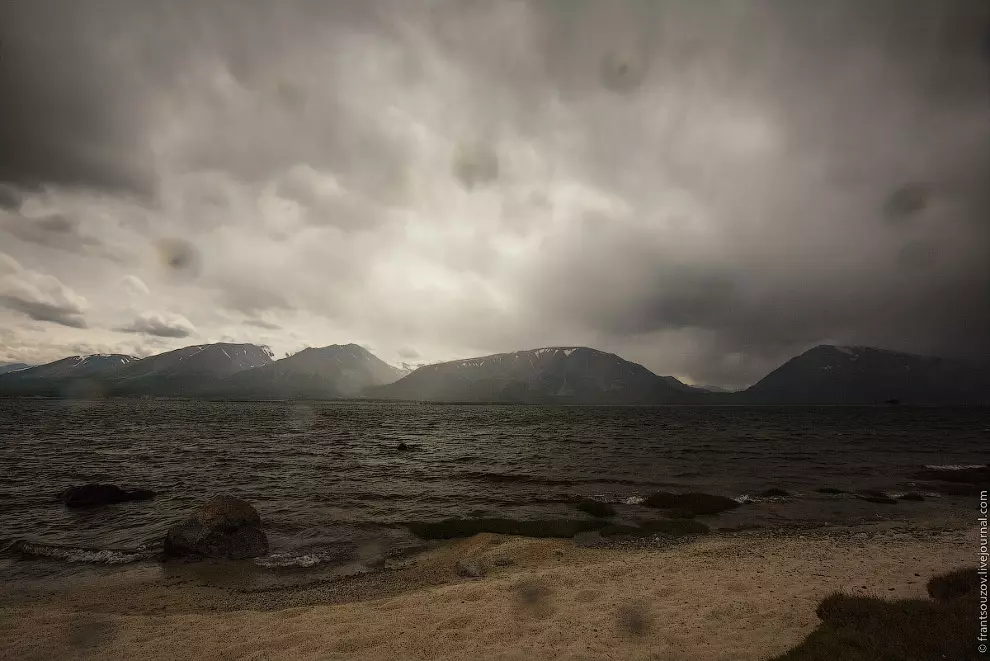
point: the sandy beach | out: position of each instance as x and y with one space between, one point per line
737 596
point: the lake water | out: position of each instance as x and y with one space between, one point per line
333 489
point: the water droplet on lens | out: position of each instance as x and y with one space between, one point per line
179 257
475 164
907 201
623 72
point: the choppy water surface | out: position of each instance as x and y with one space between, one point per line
332 487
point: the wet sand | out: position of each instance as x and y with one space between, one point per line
739 596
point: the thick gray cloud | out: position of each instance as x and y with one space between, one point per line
161 325
39 296
704 187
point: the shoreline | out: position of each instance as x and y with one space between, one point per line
738 595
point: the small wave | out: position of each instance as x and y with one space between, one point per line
77 554
633 500
953 467
289 559
744 499
537 479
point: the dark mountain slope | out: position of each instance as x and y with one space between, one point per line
830 374
336 371
549 375
63 377
186 372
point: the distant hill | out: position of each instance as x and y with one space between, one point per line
336 371
717 389
549 375
62 377
187 371
13 367
830 374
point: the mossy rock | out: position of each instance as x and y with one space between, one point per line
698 503
596 508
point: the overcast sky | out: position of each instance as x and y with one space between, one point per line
706 188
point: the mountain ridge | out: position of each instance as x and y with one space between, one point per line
857 374
336 371
824 374
563 374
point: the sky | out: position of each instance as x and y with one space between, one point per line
706 188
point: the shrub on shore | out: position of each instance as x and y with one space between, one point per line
869 628
697 503
953 585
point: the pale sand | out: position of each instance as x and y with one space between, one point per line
732 597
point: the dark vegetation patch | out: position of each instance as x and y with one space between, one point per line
869 628
953 585
698 503
912 495
774 493
596 508
454 528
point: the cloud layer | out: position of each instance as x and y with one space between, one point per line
706 188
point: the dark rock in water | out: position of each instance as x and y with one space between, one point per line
954 489
878 497
402 447
912 495
95 495
225 527
969 475
774 493
469 569
596 508
830 490
699 503
680 513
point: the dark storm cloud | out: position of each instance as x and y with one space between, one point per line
10 198
777 173
71 109
883 124
81 82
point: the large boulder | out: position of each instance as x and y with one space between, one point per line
225 527
95 495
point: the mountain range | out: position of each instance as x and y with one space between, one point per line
825 374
